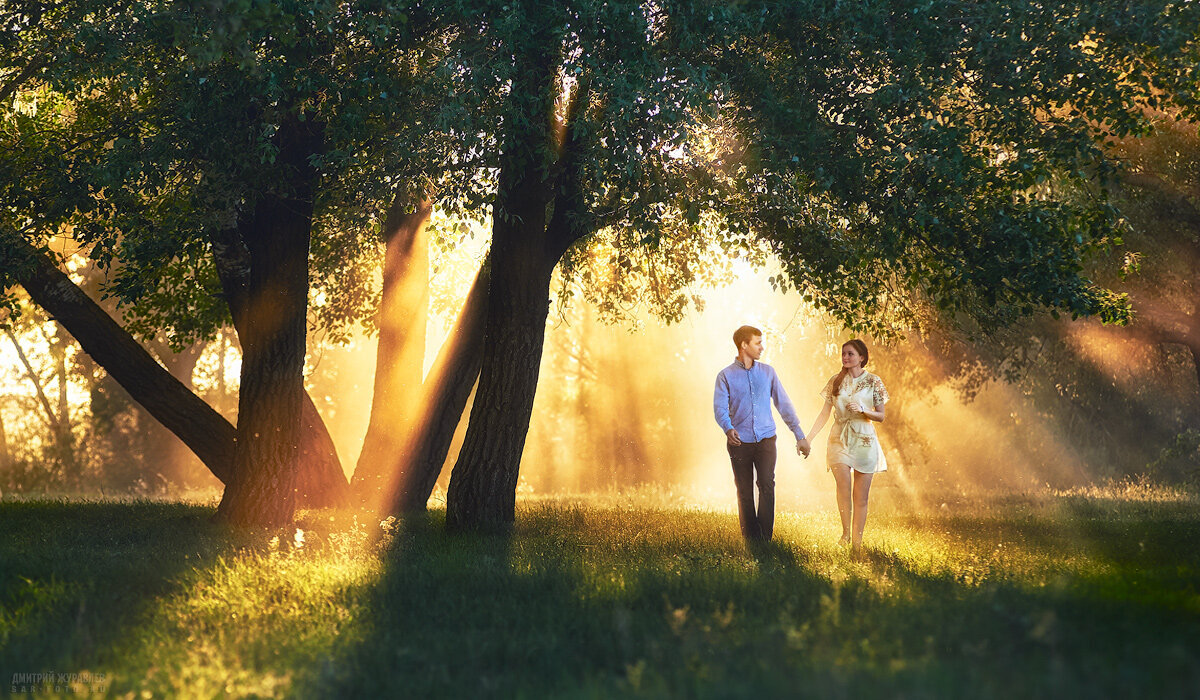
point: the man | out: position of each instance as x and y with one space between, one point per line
742 404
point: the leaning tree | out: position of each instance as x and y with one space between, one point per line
201 153
889 153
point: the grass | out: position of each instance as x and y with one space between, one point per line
1090 594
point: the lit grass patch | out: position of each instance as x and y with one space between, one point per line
259 620
1078 593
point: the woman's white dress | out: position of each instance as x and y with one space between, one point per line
852 438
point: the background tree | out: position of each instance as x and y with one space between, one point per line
1125 398
226 120
1160 189
51 395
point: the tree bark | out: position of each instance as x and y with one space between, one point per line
206 432
482 493
445 393
271 396
400 357
320 480
526 245
201 428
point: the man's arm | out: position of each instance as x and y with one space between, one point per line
721 403
721 410
784 405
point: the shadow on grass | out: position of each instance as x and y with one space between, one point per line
583 601
595 603
1000 636
558 606
76 578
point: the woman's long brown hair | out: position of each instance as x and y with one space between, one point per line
861 348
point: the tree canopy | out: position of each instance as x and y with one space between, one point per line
908 161
887 150
903 152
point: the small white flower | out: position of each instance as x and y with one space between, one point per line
298 539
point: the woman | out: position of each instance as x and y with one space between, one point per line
856 397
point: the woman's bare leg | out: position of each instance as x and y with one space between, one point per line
862 489
841 475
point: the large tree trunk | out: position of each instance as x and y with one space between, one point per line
320 480
206 432
445 396
271 397
400 357
482 491
526 246
201 428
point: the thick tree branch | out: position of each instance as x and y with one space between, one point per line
565 226
200 427
14 83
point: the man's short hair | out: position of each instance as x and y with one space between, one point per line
744 335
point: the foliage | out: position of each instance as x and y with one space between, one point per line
896 155
620 279
1118 395
1184 449
1160 198
902 155
162 134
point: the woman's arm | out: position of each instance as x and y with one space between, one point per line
877 415
821 418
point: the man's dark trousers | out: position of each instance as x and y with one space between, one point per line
748 458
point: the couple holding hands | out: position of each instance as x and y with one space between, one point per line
742 404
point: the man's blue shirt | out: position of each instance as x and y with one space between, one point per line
742 400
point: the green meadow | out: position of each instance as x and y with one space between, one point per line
1086 594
